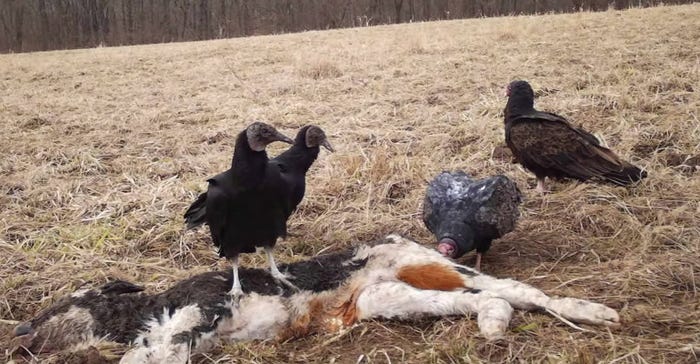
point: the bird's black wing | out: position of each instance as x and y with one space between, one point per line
221 209
196 213
498 198
294 181
444 200
558 119
280 186
293 164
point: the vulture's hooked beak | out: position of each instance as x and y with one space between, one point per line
327 145
283 138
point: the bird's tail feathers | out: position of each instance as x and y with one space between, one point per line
195 215
628 175
609 168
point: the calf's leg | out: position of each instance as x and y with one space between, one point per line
400 300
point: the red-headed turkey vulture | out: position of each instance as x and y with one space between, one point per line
549 146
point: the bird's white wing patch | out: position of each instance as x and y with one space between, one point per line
457 188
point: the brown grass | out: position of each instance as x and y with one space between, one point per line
103 149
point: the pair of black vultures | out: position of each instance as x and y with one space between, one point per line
248 205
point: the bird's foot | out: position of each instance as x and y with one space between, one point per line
236 293
284 279
542 190
540 187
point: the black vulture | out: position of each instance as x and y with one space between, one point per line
292 163
245 206
466 214
549 146
296 161
284 186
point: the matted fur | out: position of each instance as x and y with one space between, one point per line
397 278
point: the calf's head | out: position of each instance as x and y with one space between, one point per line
67 322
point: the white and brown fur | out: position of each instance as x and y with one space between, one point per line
395 278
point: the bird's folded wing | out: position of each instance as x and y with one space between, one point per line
555 144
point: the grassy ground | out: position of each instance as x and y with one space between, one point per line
103 149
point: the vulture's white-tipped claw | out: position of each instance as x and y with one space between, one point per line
284 279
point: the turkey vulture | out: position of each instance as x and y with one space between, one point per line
549 146
245 205
466 214
293 165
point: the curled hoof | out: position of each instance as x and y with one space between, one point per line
586 312
493 318
603 315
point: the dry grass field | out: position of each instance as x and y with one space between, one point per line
102 150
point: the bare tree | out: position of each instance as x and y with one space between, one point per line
30 25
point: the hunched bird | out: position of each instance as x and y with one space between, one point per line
286 173
549 146
245 206
466 214
293 164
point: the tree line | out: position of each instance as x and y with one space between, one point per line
37 25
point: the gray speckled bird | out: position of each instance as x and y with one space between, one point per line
466 214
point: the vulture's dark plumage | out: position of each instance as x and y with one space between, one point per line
292 164
466 214
257 217
245 206
549 146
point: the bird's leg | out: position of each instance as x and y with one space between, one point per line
275 272
236 291
273 266
477 266
540 185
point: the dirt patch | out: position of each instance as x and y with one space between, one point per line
35 123
320 70
654 143
685 163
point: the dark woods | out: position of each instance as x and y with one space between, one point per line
35 25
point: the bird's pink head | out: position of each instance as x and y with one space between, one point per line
447 247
